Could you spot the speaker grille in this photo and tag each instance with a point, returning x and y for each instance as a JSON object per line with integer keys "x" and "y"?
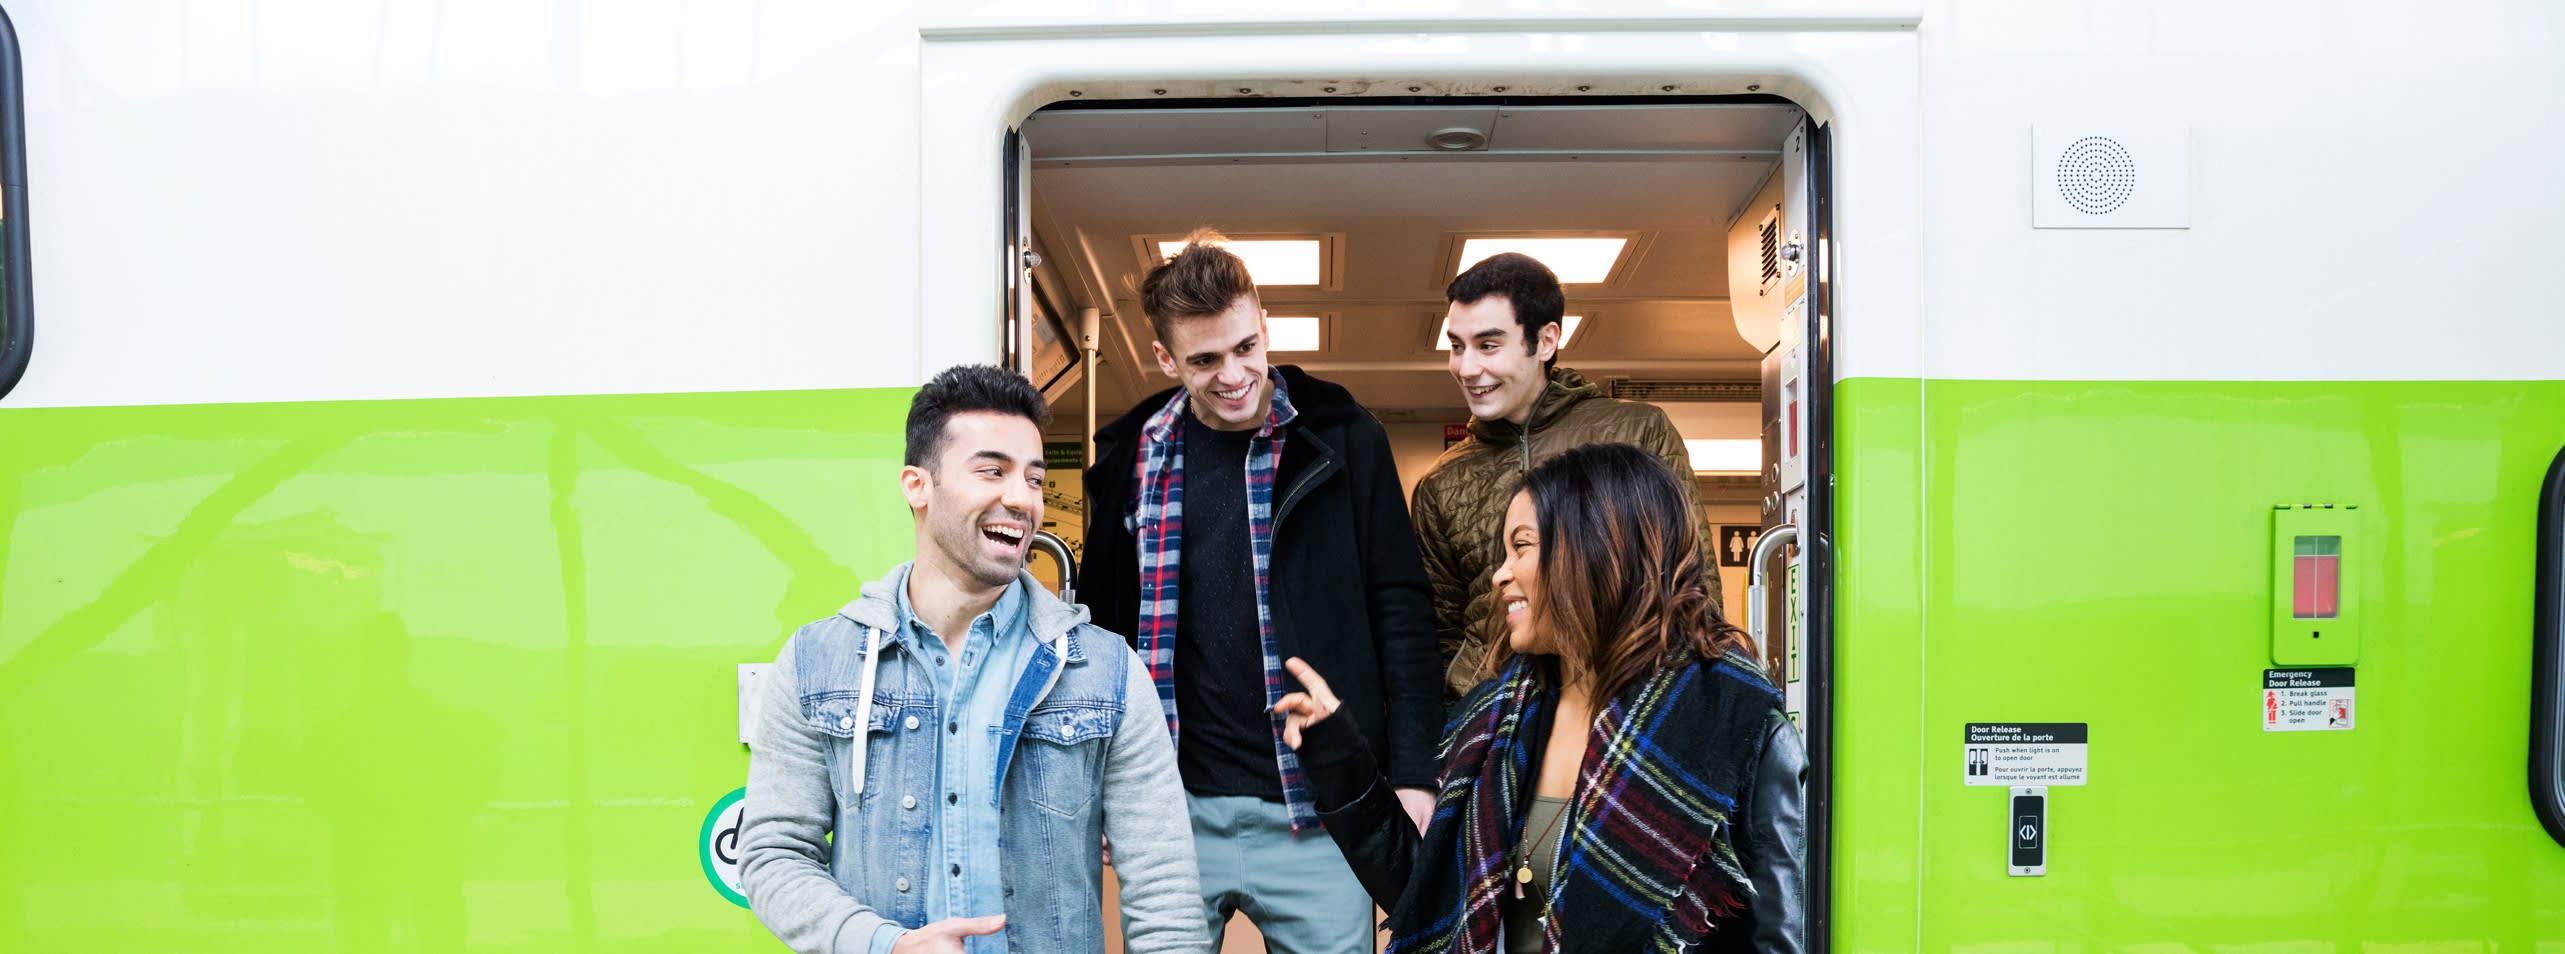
{"x": 2096, "y": 175}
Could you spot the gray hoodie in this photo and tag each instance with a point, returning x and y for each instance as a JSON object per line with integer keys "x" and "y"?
{"x": 1092, "y": 760}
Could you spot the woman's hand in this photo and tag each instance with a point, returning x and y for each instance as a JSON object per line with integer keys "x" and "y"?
{"x": 1300, "y": 709}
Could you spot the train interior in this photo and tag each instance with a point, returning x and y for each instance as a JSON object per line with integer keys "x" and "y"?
{"x": 1372, "y": 207}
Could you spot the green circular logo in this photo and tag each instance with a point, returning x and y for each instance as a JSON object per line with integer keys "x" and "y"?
{"x": 718, "y": 846}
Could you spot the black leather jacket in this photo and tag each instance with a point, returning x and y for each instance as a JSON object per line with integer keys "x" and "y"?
{"x": 1775, "y": 851}
{"x": 1380, "y": 843}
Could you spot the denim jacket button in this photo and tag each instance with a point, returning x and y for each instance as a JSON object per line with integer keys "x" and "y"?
{"x": 901, "y": 884}
{"x": 845, "y": 722}
{"x": 911, "y": 723}
{"x": 908, "y": 801}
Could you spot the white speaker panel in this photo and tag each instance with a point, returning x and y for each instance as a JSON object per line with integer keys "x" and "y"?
{"x": 2114, "y": 176}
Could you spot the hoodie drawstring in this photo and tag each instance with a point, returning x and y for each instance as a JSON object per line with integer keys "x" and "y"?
{"x": 864, "y": 713}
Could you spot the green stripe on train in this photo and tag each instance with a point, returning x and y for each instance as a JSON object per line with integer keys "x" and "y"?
{"x": 380, "y": 676}
{"x": 409, "y": 675}
{"x": 2101, "y": 553}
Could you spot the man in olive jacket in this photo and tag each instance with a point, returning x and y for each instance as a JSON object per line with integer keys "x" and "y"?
{"x": 1247, "y": 516}
{"x": 1524, "y": 409}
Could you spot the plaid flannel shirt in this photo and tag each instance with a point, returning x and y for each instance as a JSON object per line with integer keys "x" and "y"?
{"x": 1158, "y": 533}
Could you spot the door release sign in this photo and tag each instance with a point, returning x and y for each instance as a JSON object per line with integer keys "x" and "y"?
{"x": 2025, "y": 753}
{"x": 2307, "y": 700}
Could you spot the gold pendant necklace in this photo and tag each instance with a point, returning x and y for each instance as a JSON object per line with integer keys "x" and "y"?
{"x": 1523, "y": 852}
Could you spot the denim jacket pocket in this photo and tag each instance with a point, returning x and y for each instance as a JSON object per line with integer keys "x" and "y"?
{"x": 836, "y": 718}
{"x": 1061, "y": 755}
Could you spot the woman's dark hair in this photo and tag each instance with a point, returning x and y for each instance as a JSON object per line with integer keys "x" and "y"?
{"x": 962, "y": 389}
{"x": 1623, "y": 587}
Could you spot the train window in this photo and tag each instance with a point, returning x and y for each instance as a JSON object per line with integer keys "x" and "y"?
{"x": 17, "y": 317}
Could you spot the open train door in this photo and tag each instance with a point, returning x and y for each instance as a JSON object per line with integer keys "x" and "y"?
{"x": 1781, "y": 274}
{"x": 1817, "y": 527}
{"x": 1017, "y": 260}
{"x": 1026, "y": 321}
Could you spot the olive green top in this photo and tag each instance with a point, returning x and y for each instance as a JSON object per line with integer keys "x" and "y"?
{"x": 1523, "y": 917}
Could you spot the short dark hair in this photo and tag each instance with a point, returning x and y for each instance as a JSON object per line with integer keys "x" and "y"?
{"x": 1200, "y": 279}
{"x": 1527, "y": 284}
{"x": 963, "y": 389}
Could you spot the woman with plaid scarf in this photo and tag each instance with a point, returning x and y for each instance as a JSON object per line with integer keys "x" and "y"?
{"x": 1624, "y": 781}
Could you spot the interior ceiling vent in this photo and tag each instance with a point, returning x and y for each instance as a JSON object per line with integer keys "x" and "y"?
{"x": 1640, "y": 389}
{"x": 1457, "y": 139}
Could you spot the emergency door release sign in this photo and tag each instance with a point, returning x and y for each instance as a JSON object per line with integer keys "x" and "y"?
{"x": 2025, "y": 753}
{"x": 2307, "y": 700}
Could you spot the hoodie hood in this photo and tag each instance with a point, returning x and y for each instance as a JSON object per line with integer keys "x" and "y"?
{"x": 1050, "y": 618}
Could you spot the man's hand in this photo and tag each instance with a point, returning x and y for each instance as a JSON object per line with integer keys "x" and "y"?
{"x": 945, "y": 936}
{"x": 1300, "y": 709}
{"x": 1419, "y": 803}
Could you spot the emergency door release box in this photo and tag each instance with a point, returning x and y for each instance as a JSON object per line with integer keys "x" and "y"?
{"x": 2315, "y": 585}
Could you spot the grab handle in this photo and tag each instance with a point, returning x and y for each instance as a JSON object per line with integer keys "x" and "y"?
{"x": 1050, "y": 544}
{"x": 1758, "y": 567}
{"x": 2547, "y": 669}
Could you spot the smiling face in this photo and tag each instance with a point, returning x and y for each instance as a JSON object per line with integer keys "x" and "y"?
{"x": 1518, "y": 577}
{"x": 1220, "y": 360}
{"x": 1501, "y": 376}
{"x": 979, "y": 501}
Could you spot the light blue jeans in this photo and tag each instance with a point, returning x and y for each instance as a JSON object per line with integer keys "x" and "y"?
{"x": 1296, "y": 889}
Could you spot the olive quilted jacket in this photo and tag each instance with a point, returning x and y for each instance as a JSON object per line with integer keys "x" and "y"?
{"x": 1459, "y": 504}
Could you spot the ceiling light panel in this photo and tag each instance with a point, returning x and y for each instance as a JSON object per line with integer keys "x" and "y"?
{"x": 1725, "y": 455}
{"x": 1271, "y": 262}
{"x": 1295, "y": 333}
{"x": 1577, "y": 261}
{"x": 1567, "y": 333}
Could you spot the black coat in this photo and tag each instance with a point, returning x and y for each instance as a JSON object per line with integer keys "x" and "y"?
{"x": 1347, "y": 589}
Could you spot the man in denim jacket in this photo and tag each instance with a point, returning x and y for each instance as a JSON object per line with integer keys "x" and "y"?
{"x": 968, "y": 738}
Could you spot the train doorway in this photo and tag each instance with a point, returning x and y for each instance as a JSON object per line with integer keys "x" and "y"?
{"x": 1711, "y": 303}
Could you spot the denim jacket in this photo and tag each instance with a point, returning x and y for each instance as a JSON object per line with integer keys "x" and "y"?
{"x": 1087, "y": 757}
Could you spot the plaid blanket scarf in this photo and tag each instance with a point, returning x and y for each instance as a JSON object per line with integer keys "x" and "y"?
{"x": 1644, "y": 862}
{"x": 1158, "y": 531}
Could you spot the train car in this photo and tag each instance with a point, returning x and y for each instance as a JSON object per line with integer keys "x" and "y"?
{"x": 2135, "y": 429}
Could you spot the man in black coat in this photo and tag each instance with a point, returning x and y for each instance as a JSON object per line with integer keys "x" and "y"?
{"x": 1250, "y": 515}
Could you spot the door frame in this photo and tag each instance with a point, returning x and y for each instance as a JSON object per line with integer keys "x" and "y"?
{"x": 1844, "y": 80}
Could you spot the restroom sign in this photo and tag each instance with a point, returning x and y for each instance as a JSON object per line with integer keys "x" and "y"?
{"x": 2024, "y": 753}
{"x": 2307, "y": 700}
{"x": 1737, "y": 543}
{"x": 718, "y": 845}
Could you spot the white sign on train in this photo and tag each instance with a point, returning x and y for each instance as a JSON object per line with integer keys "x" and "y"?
{"x": 2024, "y": 753}
{"x": 2308, "y": 700}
